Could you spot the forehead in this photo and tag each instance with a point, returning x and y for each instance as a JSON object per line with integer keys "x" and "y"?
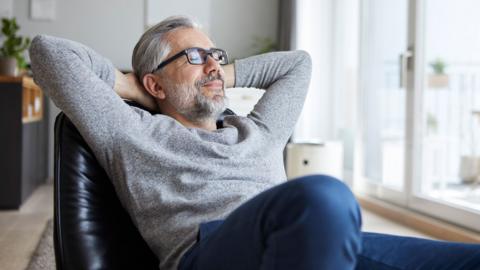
{"x": 184, "y": 38}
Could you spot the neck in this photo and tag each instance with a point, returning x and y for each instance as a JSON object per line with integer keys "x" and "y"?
{"x": 209, "y": 124}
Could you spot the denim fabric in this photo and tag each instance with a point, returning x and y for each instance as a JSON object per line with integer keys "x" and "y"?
{"x": 314, "y": 223}
{"x": 389, "y": 252}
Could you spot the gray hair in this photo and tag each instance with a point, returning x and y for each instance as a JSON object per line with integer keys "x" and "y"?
{"x": 153, "y": 47}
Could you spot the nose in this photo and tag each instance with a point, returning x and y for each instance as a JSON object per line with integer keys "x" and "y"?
{"x": 211, "y": 65}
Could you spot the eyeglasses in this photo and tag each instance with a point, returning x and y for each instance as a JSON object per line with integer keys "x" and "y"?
{"x": 198, "y": 56}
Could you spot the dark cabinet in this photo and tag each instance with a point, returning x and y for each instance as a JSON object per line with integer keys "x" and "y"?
{"x": 23, "y": 140}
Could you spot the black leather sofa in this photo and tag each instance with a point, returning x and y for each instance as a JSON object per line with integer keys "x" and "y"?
{"x": 91, "y": 228}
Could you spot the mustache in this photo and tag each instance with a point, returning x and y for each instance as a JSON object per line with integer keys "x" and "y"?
{"x": 209, "y": 78}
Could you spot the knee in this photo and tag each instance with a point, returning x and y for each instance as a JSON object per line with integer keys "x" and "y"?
{"x": 326, "y": 195}
{"x": 321, "y": 209}
{"x": 322, "y": 187}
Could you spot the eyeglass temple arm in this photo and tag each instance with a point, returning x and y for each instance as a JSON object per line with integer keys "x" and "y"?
{"x": 169, "y": 60}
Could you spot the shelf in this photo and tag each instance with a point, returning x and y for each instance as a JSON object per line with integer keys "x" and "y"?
{"x": 24, "y": 142}
{"x": 32, "y": 107}
{"x": 32, "y": 98}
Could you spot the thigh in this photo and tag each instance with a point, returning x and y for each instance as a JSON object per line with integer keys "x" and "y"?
{"x": 273, "y": 230}
{"x": 388, "y": 252}
{"x": 233, "y": 243}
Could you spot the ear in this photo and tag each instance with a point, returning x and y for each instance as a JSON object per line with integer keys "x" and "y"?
{"x": 153, "y": 85}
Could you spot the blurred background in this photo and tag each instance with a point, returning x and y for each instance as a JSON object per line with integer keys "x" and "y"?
{"x": 394, "y": 101}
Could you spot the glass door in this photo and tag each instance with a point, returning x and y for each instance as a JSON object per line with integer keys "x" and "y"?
{"x": 383, "y": 99}
{"x": 447, "y": 172}
{"x": 420, "y": 107}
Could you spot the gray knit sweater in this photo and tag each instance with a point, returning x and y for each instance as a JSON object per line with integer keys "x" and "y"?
{"x": 170, "y": 178}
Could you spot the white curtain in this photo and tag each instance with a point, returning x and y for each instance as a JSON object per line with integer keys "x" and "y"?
{"x": 313, "y": 28}
{"x": 329, "y": 31}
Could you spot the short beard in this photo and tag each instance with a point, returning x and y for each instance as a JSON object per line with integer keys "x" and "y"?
{"x": 189, "y": 101}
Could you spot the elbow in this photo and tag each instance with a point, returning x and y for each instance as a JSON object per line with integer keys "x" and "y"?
{"x": 45, "y": 48}
{"x": 41, "y": 52}
{"x": 39, "y": 43}
{"x": 304, "y": 62}
{"x": 304, "y": 58}
{"x": 39, "y": 49}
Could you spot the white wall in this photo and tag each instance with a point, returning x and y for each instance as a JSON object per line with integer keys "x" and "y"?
{"x": 246, "y": 19}
{"x": 112, "y": 27}
{"x": 232, "y": 24}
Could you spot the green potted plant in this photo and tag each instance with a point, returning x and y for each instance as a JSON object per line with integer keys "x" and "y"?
{"x": 263, "y": 45}
{"x": 438, "y": 79}
{"x": 13, "y": 48}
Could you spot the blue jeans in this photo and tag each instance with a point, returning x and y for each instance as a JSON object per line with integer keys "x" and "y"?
{"x": 314, "y": 222}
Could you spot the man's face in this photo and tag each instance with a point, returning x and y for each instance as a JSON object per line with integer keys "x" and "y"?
{"x": 195, "y": 91}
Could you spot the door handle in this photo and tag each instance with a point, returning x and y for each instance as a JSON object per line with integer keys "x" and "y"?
{"x": 404, "y": 66}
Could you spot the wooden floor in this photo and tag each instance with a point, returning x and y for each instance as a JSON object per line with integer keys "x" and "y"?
{"x": 20, "y": 230}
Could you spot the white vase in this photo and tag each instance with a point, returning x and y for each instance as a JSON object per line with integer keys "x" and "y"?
{"x": 469, "y": 169}
{"x": 315, "y": 158}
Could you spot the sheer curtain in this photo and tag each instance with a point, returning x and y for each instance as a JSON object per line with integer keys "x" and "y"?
{"x": 313, "y": 33}
{"x": 329, "y": 31}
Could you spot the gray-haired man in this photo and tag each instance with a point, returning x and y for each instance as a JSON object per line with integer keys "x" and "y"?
{"x": 202, "y": 196}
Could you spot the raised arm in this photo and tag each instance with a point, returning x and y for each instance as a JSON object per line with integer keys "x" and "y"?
{"x": 80, "y": 82}
{"x": 285, "y": 76}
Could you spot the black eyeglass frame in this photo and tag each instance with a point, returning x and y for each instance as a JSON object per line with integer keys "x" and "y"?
{"x": 208, "y": 52}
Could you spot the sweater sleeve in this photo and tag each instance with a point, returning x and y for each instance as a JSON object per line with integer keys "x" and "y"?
{"x": 80, "y": 82}
{"x": 285, "y": 76}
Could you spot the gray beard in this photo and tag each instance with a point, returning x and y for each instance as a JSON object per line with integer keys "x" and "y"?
{"x": 189, "y": 101}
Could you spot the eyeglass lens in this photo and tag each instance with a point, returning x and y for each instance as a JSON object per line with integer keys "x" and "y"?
{"x": 198, "y": 56}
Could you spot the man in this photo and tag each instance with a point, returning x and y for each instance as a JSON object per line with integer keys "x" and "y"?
{"x": 208, "y": 197}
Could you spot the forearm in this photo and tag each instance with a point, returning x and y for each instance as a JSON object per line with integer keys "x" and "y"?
{"x": 128, "y": 87}
{"x": 262, "y": 71}
{"x": 229, "y": 75}
{"x": 122, "y": 85}
{"x": 285, "y": 77}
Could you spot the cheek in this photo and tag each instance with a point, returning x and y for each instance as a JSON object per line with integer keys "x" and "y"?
{"x": 188, "y": 75}
{"x": 182, "y": 74}
{"x": 221, "y": 72}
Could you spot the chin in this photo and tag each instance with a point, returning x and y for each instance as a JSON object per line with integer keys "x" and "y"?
{"x": 215, "y": 97}
{"x": 214, "y": 90}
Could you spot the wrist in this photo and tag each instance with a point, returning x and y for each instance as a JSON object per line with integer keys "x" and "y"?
{"x": 229, "y": 75}
{"x": 134, "y": 90}
{"x": 121, "y": 86}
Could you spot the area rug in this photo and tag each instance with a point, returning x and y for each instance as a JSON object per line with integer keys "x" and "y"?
{"x": 43, "y": 257}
